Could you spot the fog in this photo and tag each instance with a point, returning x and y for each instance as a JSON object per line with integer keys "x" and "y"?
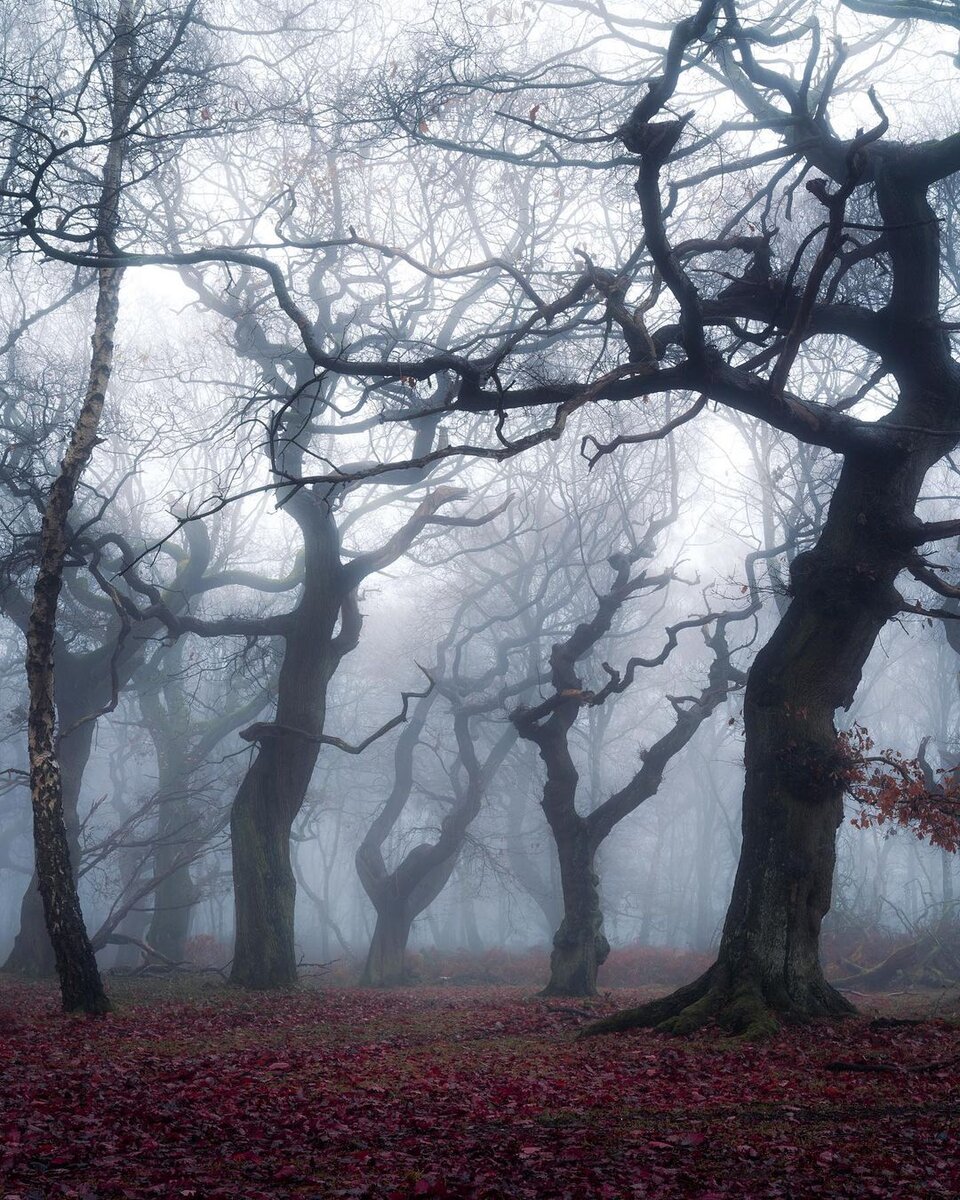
{"x": 413, "y": 584}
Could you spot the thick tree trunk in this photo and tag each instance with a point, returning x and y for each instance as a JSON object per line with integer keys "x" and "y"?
{"x": 272, "y": 793}
{"x": 264, "y": 887}
{"x": 579, "y": 946}
{"x": 768, "y": 964}
{"x": 386, "y": 960}
{"x": 261, "y": 821}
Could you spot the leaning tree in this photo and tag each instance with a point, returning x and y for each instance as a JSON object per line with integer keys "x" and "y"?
{"x": 732, "y": 309}
{"x": 725, "y": 245}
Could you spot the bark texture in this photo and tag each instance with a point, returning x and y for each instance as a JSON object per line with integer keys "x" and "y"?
{"x": 80, "y": 983}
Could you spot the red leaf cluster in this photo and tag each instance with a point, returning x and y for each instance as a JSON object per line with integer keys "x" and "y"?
{"x": 896, "y": 790}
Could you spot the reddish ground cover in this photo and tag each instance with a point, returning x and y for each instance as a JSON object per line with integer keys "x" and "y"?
{"x": 464, "y": 1093}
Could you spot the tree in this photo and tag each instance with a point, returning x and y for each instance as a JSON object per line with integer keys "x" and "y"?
{"x": 843, "y": 589}
{"x": 403, "y": 893}
{"x": 127, "y": 58}
{"x": 183, "y": 743}
{"x": 79, "y": 979}
{"x": 579, "y": 945}
{"x": 723, "y": 309}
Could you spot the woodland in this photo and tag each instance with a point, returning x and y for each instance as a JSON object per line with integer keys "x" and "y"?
{"x": 479, "y": 599}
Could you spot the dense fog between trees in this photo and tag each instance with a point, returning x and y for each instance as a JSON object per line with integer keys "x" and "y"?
{"x": 482, "y": 388}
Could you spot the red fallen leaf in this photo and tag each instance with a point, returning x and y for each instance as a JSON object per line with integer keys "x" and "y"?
{"x": 690, "y": 1139}
{"x": 278, "y": 1066}
{"x": 442, "y": 1081}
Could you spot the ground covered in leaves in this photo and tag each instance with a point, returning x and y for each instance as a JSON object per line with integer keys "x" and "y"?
{"x": 463, "y": 1092}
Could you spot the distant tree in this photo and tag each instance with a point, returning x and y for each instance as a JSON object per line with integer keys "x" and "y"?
{"x": 467, "y": 697}
{"x": 579, "y": 945}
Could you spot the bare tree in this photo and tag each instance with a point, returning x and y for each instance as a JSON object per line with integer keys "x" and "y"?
{"x": 720, "y": 308}
{"x": 401, "y": 893}
{"x": 579, "y": 945}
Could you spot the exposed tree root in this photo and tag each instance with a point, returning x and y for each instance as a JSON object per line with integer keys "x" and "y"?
{"x": 738, "y": 1005}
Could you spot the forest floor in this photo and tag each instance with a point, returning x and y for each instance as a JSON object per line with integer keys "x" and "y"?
{"x": 190, "y": 1089}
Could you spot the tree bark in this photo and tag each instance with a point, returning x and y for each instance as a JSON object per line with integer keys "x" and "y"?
{"x": 32, "y": 954}
{"x": 579, "y": 945}
{"x": 768, "y": 964}
{"x": 273, "y": 790}
{"x": 386, "y": 964}
{"x": 80, "y": 983}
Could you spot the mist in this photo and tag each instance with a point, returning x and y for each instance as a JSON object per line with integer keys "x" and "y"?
{"x": 478, "y": 516}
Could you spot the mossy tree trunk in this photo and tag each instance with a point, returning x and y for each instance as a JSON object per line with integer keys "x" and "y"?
{"x": 842, "y": 594}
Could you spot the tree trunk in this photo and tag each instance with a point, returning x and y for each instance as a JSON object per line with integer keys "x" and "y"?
{"x": 129, "y": 953}
{"x": 579, "y": 946}
{"x": 261, "y": 821}
{"x": 175, "y": 899}
{"x": 386, "y": 961}
{"x": 80, "y": 984}
{"x": 176, "y": 894}
{"x": 32, "y": 953}
{"x": 264, "y": 886}
{"x": 768, "y": 963}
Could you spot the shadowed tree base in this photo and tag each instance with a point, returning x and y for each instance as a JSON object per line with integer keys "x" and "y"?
{"x": 578, "y": 953}
{"x": 737, "y": 1004}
